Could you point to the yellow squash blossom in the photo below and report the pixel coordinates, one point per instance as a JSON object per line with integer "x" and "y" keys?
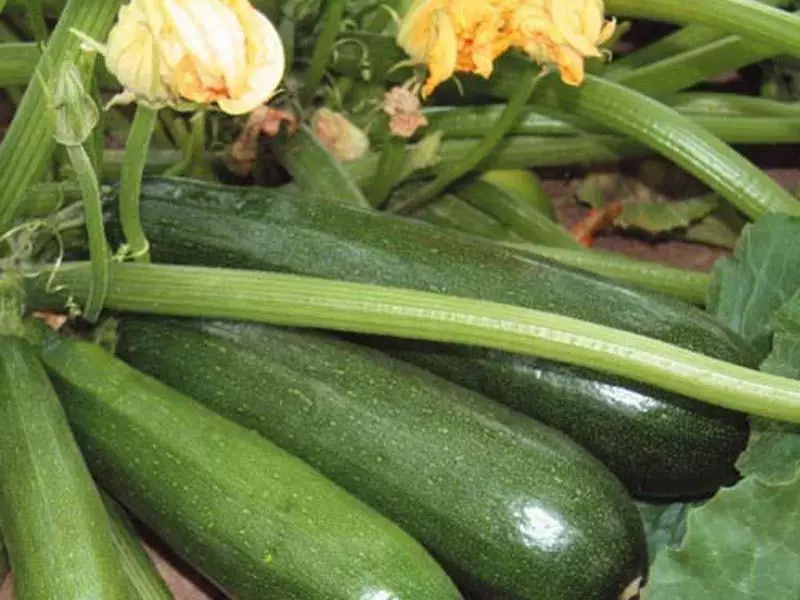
{"x": 451, "y": 36}
{"x": 563, "y": 33}
{"x": 454, "y": 35}
{"x": 197, "y": 51}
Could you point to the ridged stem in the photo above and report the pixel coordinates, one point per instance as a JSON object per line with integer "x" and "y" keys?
{"x": 29, "y": 141}
{"x": 299, "y": 301}
{"x": 98, "y": 247}
{"x": 131, "y": 182}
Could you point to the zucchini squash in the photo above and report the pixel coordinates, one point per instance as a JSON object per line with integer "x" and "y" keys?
{"x": 54, "y": 524}
{"x": 514, "y": 505}
{"x": 256, "y": 521}
{"x": 144, "y": 581}
{"x": 659, "y": 444}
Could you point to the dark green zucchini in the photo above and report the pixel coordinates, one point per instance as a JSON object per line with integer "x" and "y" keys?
{"x": 258, "y": 522}
{"x": 195, "y": 222}
{"x": 514, "y": 504}
{"x": 54, "y": 524}
{"x": 660, "y": 446}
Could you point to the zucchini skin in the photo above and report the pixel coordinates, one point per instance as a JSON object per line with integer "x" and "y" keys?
{"x": 690, "y": 448}
{"x": 54, "y": 524}
{"x": 513, "y": 504}
{"x": 144, "y": 581}
{"x": 660, "y": 445}
{"x": 201, "y": 223}
{"x": 256, "y": 521}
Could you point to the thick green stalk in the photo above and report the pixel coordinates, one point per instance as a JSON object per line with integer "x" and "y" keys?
{"x": 750, "y": 20}
{"x": 694, "y": 66}
{"x": 299, "y": 301}
{"x": 670, "y": 134}
{"x": 683, "y": 40}
{"x": 136, "y": 150}
{"x": 29, "y": 141}
{"x": 690, "y": 146}
{"x": 472, "y": 122}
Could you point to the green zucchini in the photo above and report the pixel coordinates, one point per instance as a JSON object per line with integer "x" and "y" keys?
{"x": 54, "y": 524}
{"x": 256, "y": 521}
{"x": 196, "y": 222}
{"x": 513, "y": 504}
{"x": 662, "y": 446}
{"x": 144, "y": 581}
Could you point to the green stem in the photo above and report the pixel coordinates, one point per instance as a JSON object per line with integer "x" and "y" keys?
{"x": 455, "y": 171}
{"x": 695, "y": 104}
{"x": 18, "y": 63}
{"x": 683, "y": 40}
{"x": 323, "y": 50}
{"x": 516, "y": 213}
{"x": 390, "y": 166}
{"x": 690, "y": 146}
{"x": 745, "y": 18}
{"x": 98, "y": 247}
{"x": 694, "y": 66}
{"x": 29, "y": 141}
{"x": 659, "y": 127}
{"x": 35, "y": 14}
{"x": 690, "y": 286}
{"x": 131, "y": 181}
{"x": 472, "y": 122}
{"x": 299, "y": 301}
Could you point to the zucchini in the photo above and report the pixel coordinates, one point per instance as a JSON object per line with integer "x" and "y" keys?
{"x": 514, "y": 505}
{"x": 256, "y": 521}
{"x": 143, "y": 579}
{"x": 661, "y": 445}
{"x": 197, "y": 222}
{"x": 54, "y": 524}
{"x": 664, "y": 446}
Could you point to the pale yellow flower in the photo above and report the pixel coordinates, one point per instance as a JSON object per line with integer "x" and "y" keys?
{"x": 449, "y": 36}
{"x": 196, "y": 51}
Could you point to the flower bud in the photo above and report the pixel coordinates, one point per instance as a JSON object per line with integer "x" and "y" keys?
{"x": 196, "y": 51}
{"x": 342, "y": 139}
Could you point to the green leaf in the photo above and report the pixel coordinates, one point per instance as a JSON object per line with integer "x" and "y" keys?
{"x": 763, "y": 273}
{"x": 784, "y": 359}
{"x": 661, "y": 217}
{"x": 721, "y": 228}
{"x": 664, "y": 525}
{"x": 744, "y": 544}
{"x": 773, "y": 452}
